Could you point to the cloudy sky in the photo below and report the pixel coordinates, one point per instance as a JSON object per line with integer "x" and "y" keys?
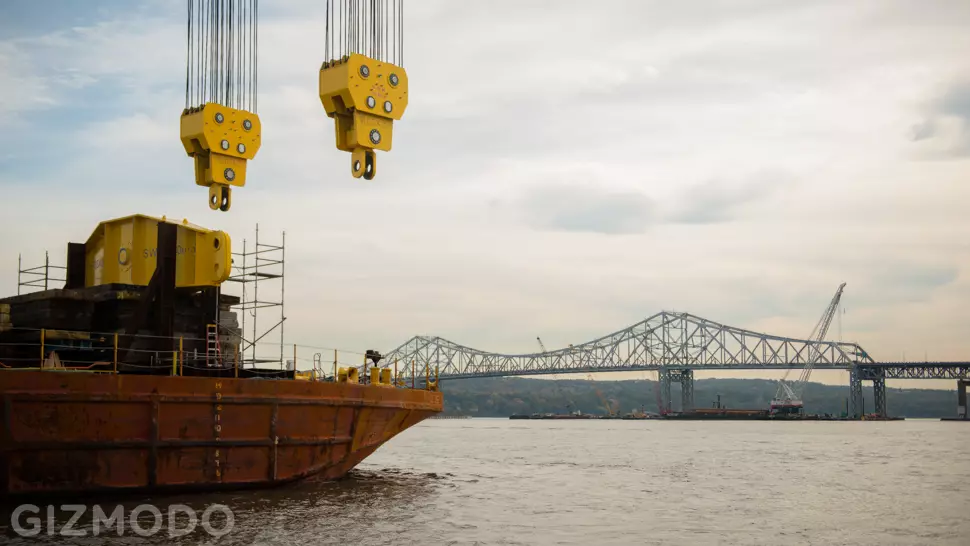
{"x": 564, "y": 169}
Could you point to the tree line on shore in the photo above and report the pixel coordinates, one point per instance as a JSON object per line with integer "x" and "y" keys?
{"x": 501, "y": 397}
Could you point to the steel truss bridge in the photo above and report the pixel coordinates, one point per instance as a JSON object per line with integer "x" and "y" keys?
{"x": 673, "y": 345}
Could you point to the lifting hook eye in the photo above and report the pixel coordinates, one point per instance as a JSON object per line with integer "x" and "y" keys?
{"x": 363, "y": 163}
{"x": 370, "y": 165}
{"x": 220, "y": 197}
{"x": 224, "y": 205}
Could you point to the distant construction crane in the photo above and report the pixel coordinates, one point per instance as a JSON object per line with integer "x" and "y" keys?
{"x": 610, "y": 411}
{"x": 788, "y": 398}
{"x": 555, "y": 377}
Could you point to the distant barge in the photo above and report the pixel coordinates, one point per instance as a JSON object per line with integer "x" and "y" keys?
{"x": 572, "y": 416}
{"x": 709, "y": 415}
{"x": 723, "y": 414}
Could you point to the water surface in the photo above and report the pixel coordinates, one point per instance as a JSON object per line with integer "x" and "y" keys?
{"x": 496, "y": 481}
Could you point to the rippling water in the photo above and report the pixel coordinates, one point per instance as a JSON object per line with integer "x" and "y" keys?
{"x": 495, "y": 481}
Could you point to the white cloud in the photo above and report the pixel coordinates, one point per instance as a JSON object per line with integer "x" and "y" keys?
{"x": 23, "y": 90}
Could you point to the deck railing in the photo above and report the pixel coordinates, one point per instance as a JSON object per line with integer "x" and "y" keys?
{"x": 113, "y": 353}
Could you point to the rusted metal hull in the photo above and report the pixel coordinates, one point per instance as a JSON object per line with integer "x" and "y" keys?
{"x": 66, "y": 432}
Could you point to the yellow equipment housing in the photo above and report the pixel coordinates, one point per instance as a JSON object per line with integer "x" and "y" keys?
{"x": 364, "y": 96}
{"x": 348, "y": 375}
{"x": 221, "y": 140}
{"x": 123, "y": 251}
{"x": 381, "y": 376}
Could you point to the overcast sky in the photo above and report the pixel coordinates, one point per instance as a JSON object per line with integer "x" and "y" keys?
{"x": 564, "y": 169}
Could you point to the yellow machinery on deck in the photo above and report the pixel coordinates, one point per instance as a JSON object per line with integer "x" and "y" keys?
{"x": 124, "y": 251}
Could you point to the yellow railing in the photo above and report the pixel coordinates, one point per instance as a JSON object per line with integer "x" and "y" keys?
{"x": 114, "y": 352}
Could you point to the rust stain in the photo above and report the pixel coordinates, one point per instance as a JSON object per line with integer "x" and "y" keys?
{"x": 76, "y": 432}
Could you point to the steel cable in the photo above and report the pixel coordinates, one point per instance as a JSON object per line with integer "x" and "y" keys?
{"x": 188, "y": 53}
{"x": 374, "y": 28}
{"x": 222, "y": 53}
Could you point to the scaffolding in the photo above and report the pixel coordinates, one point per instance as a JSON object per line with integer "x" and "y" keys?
{"x": 259, "y": 270}
{"x": 40, "y": 276}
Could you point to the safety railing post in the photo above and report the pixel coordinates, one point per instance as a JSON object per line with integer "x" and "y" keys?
{"x": 43, "y": 336}
{"x": 395, "y": 372}
{"x": 115, "y": 359}
{"x": 412, "y": 373}
{"x": 181, "y": 357}
{"x": 335, "y": 365}
{"x": 294, "y": 361}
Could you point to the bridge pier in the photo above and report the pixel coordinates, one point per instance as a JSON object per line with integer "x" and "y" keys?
{"x": 855, "y": 392}
{"x": 685, "y": 377}
{"x": 878, "y": 378}
{"x": 962, "y": 398}
{"x": 663, "y": 374}
{"x": 879, "y": 396}
{"x": 687, "y": 390}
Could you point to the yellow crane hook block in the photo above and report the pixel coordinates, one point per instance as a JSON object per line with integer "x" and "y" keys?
{"x": 364, "y": 96}
{"x": 221, "y": 140}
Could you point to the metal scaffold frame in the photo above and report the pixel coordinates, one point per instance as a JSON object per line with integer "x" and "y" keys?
{"x": 259, "y": 262}
{"x": 38, "y": 276}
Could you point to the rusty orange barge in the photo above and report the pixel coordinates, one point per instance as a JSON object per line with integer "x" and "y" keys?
{"x": 73, "y": 432}
{"x": 116, "y": 399}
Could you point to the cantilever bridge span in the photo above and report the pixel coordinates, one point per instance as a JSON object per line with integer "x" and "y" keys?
{"x": 673, "y": 344}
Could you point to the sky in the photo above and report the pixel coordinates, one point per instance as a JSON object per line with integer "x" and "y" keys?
{"x": 563, "y": 169}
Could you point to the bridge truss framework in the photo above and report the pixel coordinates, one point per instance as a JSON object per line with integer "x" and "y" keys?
{"x": 674, "y": 345}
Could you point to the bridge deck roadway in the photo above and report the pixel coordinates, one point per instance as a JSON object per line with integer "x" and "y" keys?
{"x": 900, "y": 370}
{"x": 877, "y": 372}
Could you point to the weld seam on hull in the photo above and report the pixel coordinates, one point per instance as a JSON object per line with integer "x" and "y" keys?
{"x": 274, "y": 441}
{"x": 166, "y": 488}
{"x": 76, "y": 445}
{"x": 7, "y": 440}
{"x": 53, "y": 397}
{"x": 153, "y": 454}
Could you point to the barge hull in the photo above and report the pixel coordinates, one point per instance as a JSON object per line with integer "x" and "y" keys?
{"x": 69, "y": 432}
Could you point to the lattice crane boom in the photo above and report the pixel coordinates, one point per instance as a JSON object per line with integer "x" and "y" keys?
{"x": 789, "y": 396}
{"x": 822, "y": 331}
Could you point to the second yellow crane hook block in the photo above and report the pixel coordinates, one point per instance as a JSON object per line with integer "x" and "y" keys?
{"x": 221, "y": 140}
{"x": 364, "y": 96}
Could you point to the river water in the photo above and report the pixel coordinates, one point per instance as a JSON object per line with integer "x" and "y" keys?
{"x": 496, "y": 481}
